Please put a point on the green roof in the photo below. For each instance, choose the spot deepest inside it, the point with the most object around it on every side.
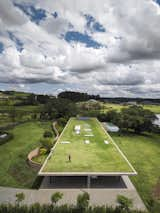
(92, 151)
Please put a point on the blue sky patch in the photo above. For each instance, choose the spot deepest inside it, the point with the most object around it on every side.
(93, 25)
(82, 38)
(36, 15)
(157, 1)
(1, 47)
(19, 44)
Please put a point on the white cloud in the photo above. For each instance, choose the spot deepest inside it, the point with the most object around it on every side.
(10, 15)
(127, 64)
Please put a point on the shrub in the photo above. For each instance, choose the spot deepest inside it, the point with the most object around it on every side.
(46, 143)
(46, 208)
(20, 197)
(56, 197)
(42, 151)
(83, 201)
(124, 203)
(47, 134)
(62, 121)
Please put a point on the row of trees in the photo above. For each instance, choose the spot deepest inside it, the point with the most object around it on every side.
(57, 108)
(34, 99)
(132, 118)
(82, 205)
(77, 96)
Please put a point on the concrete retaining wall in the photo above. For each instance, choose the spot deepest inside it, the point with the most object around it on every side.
(31, 155)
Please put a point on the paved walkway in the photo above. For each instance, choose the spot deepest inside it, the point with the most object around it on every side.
(97, 196)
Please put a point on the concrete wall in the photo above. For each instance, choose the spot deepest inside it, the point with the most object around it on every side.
(33, 164)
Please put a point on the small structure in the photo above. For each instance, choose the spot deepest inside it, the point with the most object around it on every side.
(89, 135)
(106, 142)
(156, 122)
(87, 130)
(87, 141)
(92, 101)
(111, 127)
(77, 129)
(3, 135)
(65, 142)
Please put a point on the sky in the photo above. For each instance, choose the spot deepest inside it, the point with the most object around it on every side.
(106, 47)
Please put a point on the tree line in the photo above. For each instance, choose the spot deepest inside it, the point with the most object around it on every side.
(131, 118)
(77, 96)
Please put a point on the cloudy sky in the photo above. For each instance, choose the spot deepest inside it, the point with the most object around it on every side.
(107, 47)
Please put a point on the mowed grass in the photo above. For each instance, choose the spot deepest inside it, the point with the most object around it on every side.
(153, 108)
(109, 106)
(143, 151)
(14, 170)
(93, 157)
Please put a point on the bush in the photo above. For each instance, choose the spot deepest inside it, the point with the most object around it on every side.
(62, 121)
(124, 203)
(42, 151)
(20, 197)
(46, 143)
(47, 134)
(7, 138)
(83, 201)
(47, 208)
(56, 197)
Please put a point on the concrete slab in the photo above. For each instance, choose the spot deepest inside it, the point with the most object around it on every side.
(101, 196)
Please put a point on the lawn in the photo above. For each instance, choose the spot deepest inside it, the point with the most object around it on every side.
(95, 156)
(143, 151)
(14, 170)
(153, 108)
(109, 106)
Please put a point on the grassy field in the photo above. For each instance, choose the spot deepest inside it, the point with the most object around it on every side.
(21, 113)
(143, 152)
(109, 106)
(93, 157)
(153, 108)
(14, 170)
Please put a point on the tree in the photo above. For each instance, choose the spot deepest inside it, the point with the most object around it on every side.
(83, 201)
(137, 119)
(62, 121)
(112, 116)
(56, 197)
(77, 96)
(124, 203)
(20, 197)
(47, 134)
